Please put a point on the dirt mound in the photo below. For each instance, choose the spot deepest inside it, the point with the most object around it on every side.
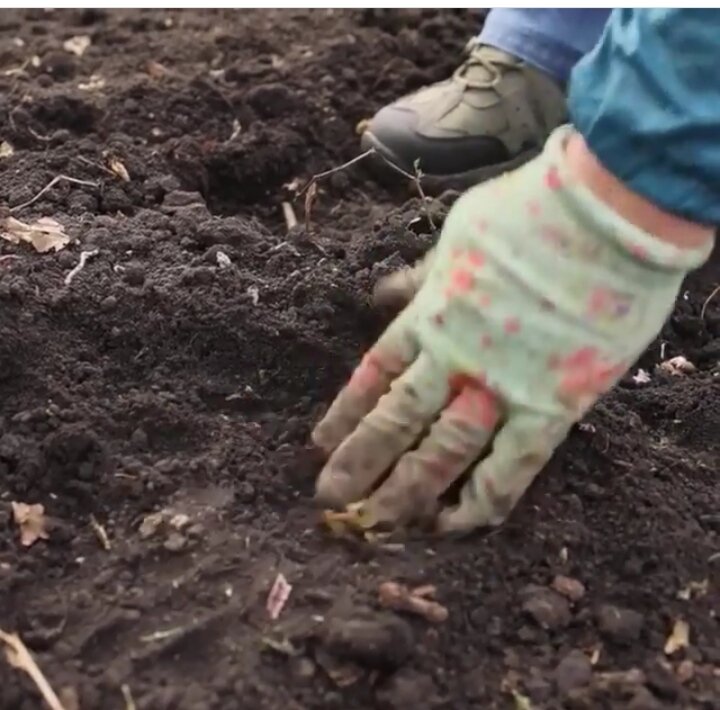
(170, 389)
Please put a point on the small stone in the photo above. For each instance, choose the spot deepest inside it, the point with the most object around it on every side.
(108, 303)
(538, 689)
(571, 588)
(623, 625)
(66, 259)
(407, 689)
(302, 668)
(378, 640)
(139, 438)
(574, 671)
(643, 699)
(549, 609)
(662, 681)
(134, 274)
(685, 671)
(179, 521)
(150, 524)
(59, 65)
(175, 542)
(196, 531)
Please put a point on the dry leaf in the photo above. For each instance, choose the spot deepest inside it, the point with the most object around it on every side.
(678, 365)
(31, 521)
(679, 638)
(6, 150)
(119, 169)
(77, 45)
(401, 598)
(279, 594)
(45, 234)
(19, 657)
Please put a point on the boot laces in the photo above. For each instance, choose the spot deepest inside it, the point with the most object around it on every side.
(494, 67)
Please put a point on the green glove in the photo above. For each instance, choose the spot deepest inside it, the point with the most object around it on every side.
(536, 300)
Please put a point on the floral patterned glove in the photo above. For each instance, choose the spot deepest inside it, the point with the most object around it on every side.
(536, 300)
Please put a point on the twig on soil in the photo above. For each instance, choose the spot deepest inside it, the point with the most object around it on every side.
(336, 169)
(93, 164)
(101, 533)
(162, 635)
(127, 697)
(707, 301)
(18, 656)
(49, 186)
(289, 214)
(416, 179)
(84, 256)
(309, 201)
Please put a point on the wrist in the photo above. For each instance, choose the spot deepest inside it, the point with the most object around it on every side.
(629, 205)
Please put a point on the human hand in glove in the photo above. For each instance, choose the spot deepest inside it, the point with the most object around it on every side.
(536, 300)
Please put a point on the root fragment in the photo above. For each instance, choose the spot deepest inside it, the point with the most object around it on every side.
(18, 656)
(416, 601)
(49, 186)
(84, 256)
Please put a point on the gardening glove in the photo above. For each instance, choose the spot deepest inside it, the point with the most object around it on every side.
(536, 300)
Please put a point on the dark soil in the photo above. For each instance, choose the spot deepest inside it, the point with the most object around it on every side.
(158, 381)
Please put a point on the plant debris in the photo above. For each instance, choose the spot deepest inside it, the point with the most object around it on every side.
(44, 234)
(31, 521)
(77, 45)
(522, 702)
(118, 168)
(282, 646)
(84, 256)
(679, 637)
(641, 377)
(354, 519)
(6, 150)
(279, 594)
(678, 365)
(693, 589)
(393, 595)
(94, 83)
(101, 533)
(19, 657)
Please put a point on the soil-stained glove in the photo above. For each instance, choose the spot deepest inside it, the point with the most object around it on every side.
(536, 300)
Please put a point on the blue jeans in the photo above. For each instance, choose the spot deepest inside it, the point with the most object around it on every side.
(550, 40)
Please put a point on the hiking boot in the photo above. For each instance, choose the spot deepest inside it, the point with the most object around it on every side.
(492, 115)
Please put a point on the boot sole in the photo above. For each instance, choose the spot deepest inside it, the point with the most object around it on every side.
(436, 184)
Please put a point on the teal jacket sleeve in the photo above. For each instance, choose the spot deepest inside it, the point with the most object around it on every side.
(647, 101)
